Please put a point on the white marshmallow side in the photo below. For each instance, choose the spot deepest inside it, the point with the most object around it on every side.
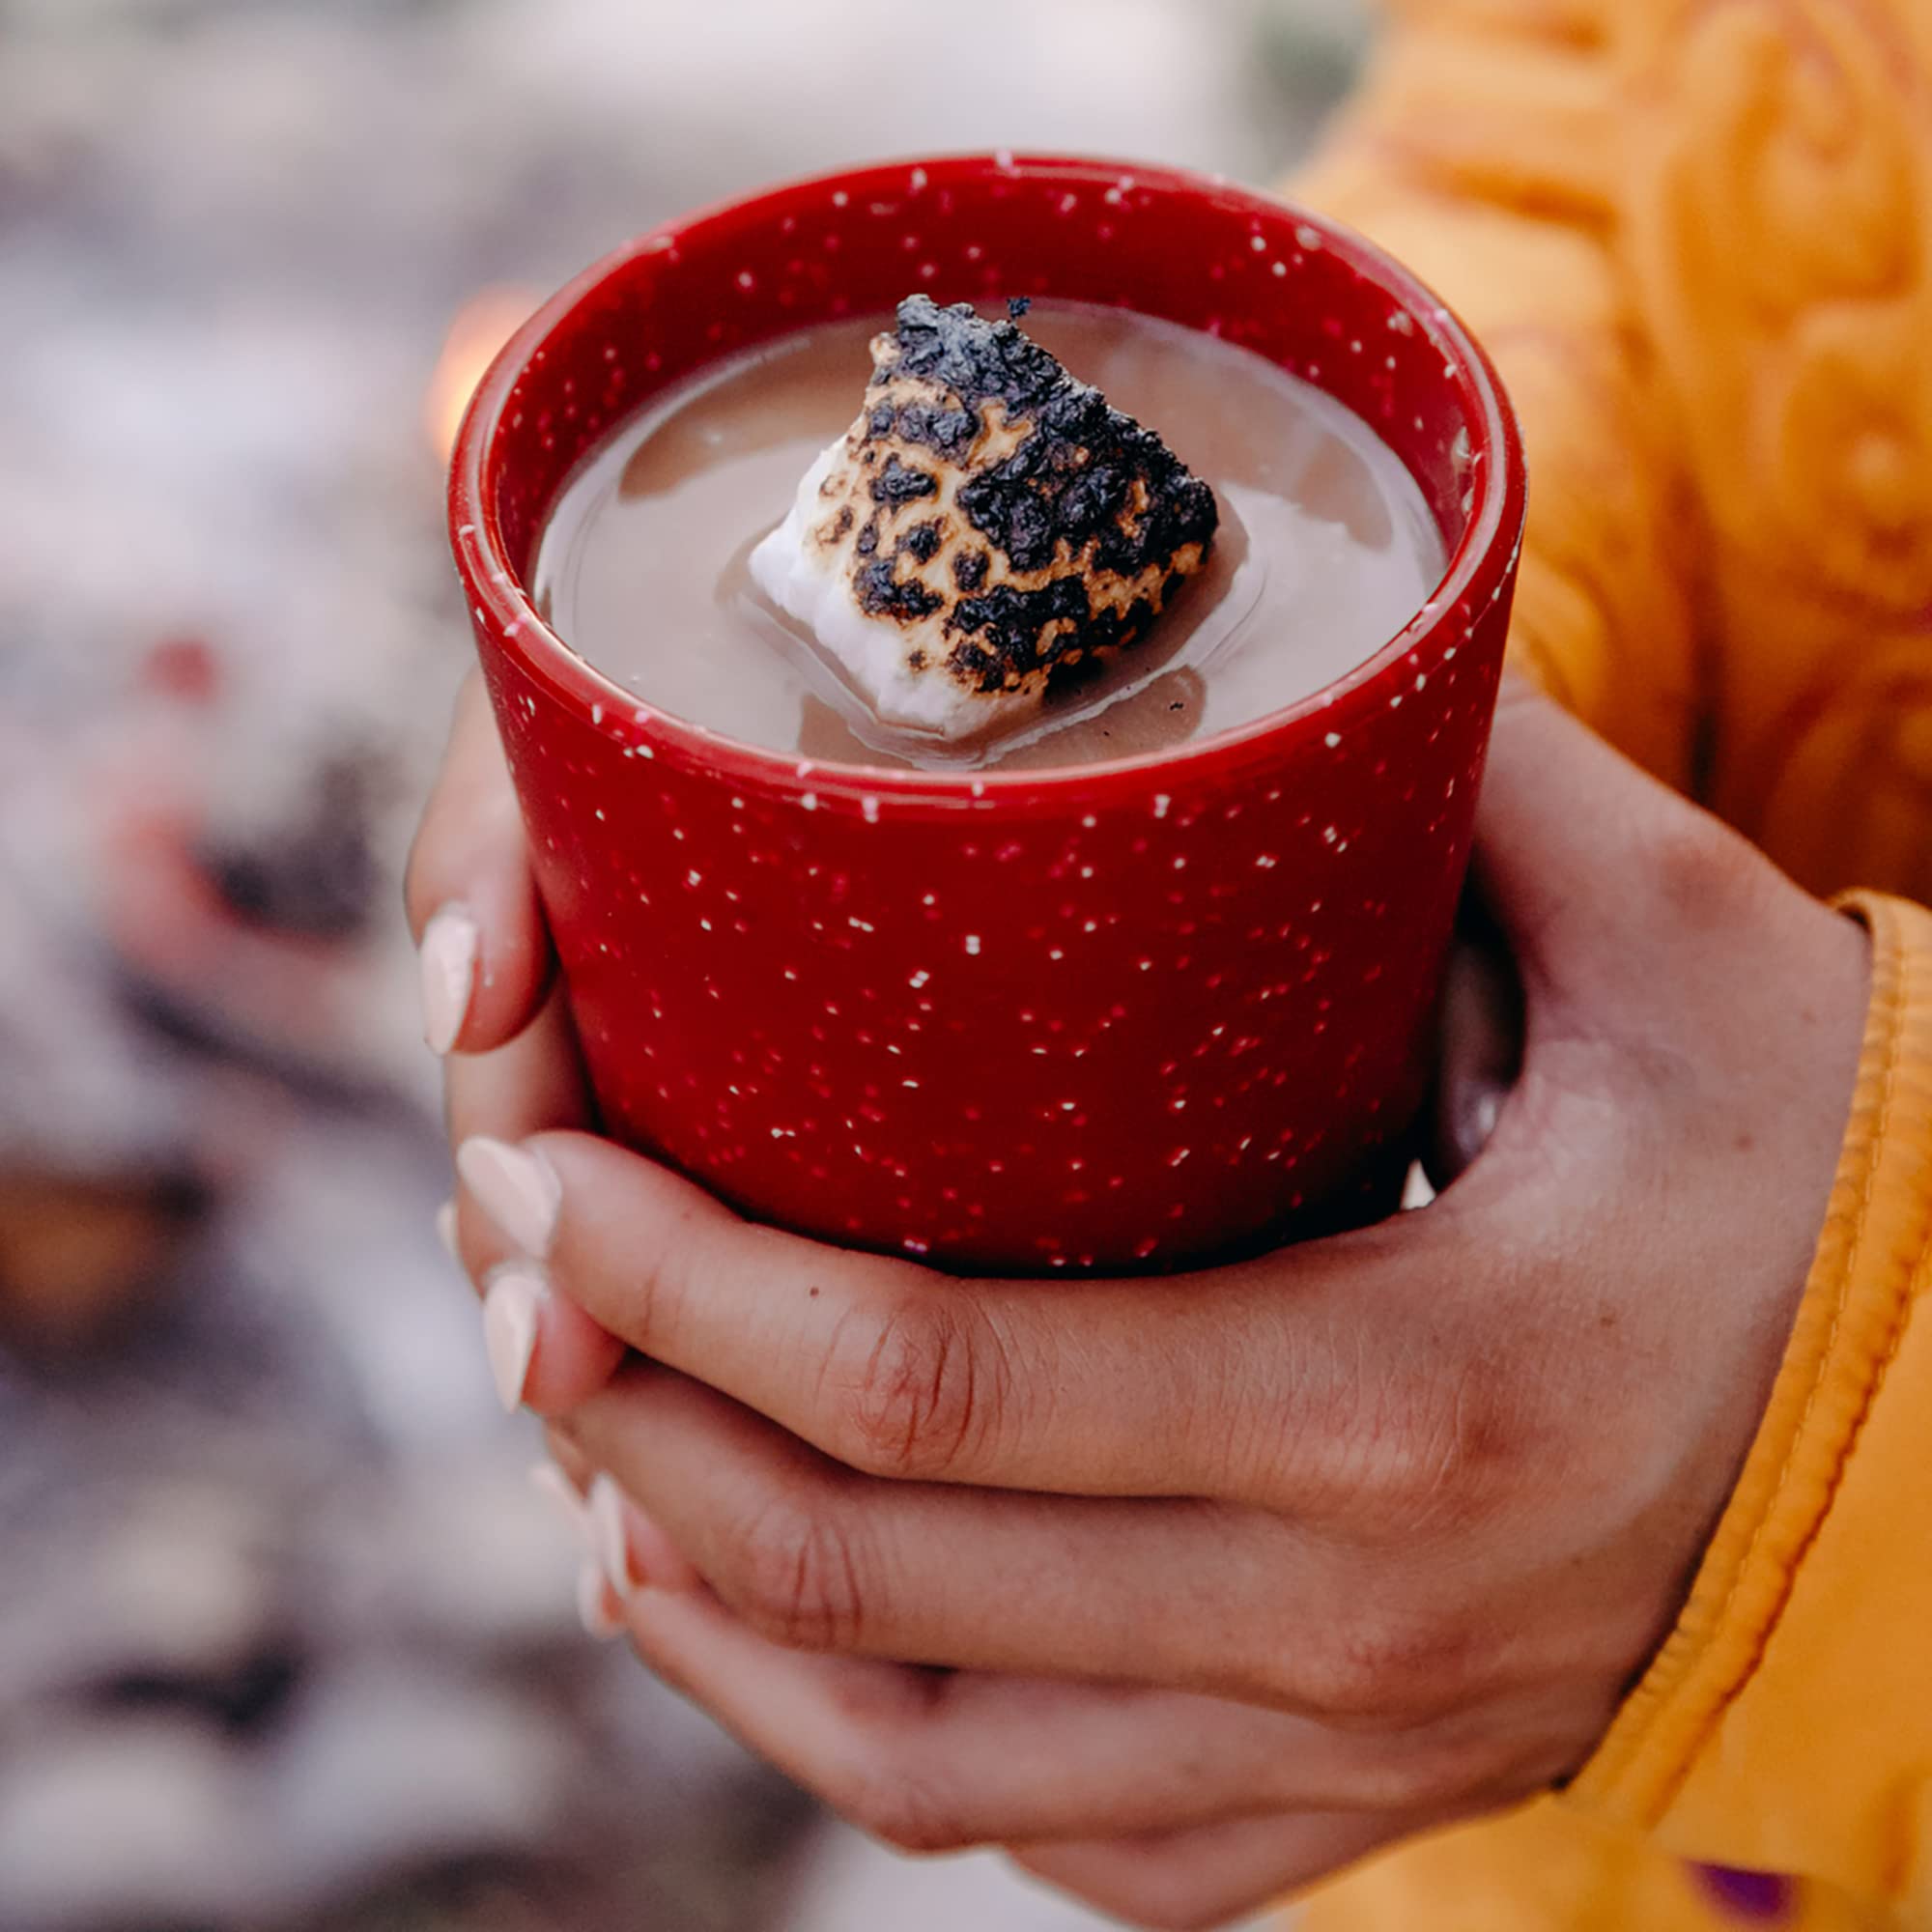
(810, 582)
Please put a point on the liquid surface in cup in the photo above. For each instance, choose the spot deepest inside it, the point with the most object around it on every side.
(1326, 549)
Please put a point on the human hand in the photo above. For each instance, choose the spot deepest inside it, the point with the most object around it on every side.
(491, 1008)
(1236, 1576)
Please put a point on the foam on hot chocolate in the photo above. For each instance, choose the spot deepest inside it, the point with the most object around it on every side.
(988, 528)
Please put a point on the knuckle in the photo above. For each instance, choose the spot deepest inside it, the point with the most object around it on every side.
(1423, 1440)
(629, 1291)
(1385, 1667)
(1178, 1902)
(926, 1391)
(663, 1276)
(905, 1811)
(796, 1579)
(1698, 868)
(1408, 1775)
(643, 1289)
(1444, 1456)
(1414, 1427)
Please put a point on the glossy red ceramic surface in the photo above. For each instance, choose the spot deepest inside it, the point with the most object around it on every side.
(1114, 1016)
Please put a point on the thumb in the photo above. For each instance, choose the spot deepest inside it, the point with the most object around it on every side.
(1574, 846)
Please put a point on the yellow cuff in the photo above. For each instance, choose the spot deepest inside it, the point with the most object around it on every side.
(1874, 1255)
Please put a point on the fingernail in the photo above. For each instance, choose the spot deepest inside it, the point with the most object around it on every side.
(594, 1605)
(510, 1309)
(550, 1482)
(515, 1186)
(448, 958)
(445, 1230)
(611, 1536)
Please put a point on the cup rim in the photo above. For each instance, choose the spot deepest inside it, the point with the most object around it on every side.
(498, 596)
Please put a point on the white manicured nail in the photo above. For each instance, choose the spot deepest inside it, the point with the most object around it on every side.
(511, 1305)
(611, 1536)
(448, 958)
(515, 1186)
(445, 1230)
(594, 1606)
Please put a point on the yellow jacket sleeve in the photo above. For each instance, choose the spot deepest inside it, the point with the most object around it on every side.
(1787, 1723)
(1694, 237)
(1477, 151)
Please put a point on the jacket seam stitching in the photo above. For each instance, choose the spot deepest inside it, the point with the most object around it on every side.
(1897, 1005)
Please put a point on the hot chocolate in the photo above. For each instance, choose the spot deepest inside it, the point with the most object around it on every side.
(1323, 551)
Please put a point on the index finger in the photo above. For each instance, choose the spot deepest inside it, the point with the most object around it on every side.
(1301, 1379)
(471, 901)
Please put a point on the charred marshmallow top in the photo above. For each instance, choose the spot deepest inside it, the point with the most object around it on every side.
(986, 528)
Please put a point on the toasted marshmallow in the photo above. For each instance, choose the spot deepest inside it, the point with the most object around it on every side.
(988, 526)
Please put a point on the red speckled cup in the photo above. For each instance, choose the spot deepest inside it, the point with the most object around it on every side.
(1116, 1016)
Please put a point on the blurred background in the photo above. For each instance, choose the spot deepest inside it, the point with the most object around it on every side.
(286, 1641)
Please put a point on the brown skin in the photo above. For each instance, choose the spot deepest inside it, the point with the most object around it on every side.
(1241, 1576)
